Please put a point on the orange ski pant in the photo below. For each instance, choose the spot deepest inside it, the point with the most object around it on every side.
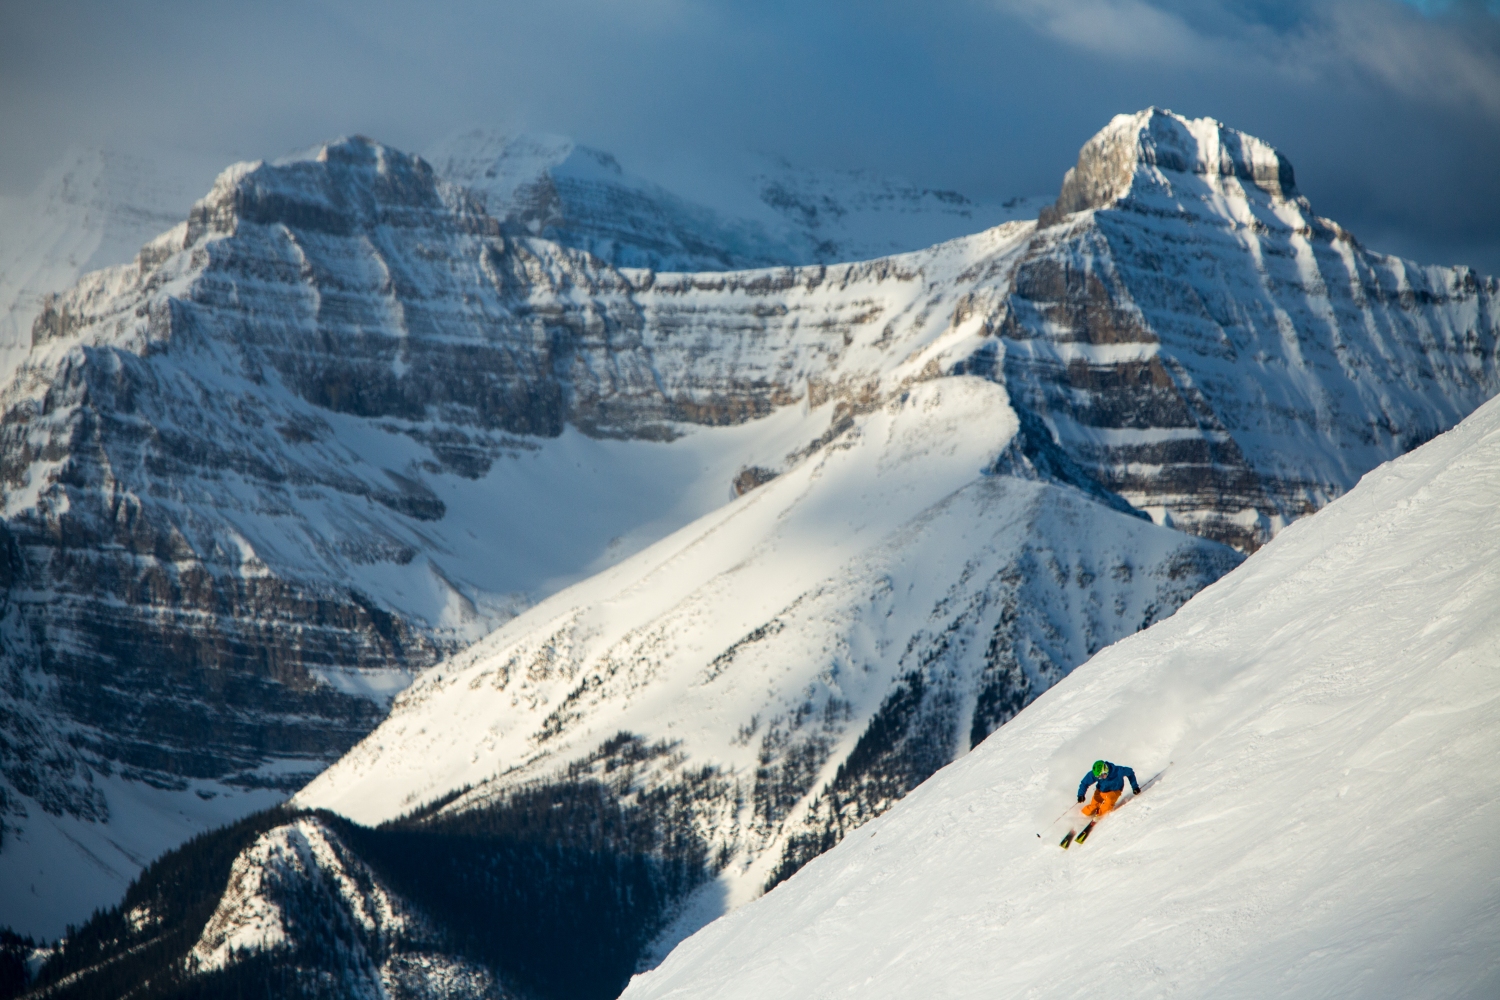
(1102, 803)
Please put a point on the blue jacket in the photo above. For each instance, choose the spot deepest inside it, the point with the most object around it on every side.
(1113, 780)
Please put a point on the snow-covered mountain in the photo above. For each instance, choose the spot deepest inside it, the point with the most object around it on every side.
(819, 646)
(550, 186)
(1326, 715)
(823, 683)
(97, 206)
(339, 425)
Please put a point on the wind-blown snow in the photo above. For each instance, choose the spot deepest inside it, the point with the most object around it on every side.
(1330, 711)
(93, 209)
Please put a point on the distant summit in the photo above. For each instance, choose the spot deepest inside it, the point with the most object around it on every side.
(1144, 157)
(776, 215)
(93, 209)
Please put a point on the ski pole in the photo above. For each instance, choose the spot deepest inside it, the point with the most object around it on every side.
(1060, 816)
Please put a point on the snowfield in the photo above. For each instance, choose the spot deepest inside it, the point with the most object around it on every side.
(763, 638)
(1331, 712)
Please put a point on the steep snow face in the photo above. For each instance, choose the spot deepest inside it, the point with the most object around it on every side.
(299, 886)
(821, 645)
(550, 186)
(94, 209)
(1326, 711)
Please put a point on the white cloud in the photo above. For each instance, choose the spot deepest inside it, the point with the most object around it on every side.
(1125, 28)
(1451, 60)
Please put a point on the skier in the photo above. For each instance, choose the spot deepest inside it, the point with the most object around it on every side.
(1111, 779)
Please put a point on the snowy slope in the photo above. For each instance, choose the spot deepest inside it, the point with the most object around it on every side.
(765, 640)
(550, 186)
(1329, 710)
(93, 209)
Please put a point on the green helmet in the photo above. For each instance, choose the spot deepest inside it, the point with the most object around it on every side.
(1100, 768)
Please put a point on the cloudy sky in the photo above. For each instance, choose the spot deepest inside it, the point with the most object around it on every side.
(1389, 110)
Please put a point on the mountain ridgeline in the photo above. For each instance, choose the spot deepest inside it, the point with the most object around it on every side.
(343, 425)
(552, 187)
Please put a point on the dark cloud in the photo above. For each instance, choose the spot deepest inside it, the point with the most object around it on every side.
(1391, 114)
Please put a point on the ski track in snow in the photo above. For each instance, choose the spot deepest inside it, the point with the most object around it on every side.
(1332, 709)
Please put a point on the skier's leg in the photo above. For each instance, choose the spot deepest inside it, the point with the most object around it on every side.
(1106, 802)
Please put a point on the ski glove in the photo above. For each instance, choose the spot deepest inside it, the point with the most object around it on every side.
(1080, 798)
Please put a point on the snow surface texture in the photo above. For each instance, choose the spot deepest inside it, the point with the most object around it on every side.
(1329, 711)
(552, 187)
(57, 867)
(339, 424)
(94, 209)
(299, 884)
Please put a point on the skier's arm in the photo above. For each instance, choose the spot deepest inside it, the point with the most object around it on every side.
(1129, 773)
(1083, 786)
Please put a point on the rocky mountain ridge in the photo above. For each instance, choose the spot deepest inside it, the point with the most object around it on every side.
(339, 425)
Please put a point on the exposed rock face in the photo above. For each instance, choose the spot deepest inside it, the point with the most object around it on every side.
(1134, 153)
(1218, 354)
(325, 432)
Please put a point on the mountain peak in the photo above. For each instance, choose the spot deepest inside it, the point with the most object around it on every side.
(329, 187)
(1157, 151)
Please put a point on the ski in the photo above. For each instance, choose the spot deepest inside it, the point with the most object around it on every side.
(1068, 839)
(1084, 833)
